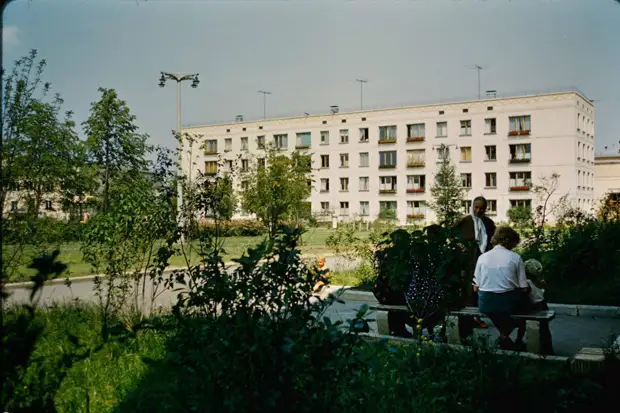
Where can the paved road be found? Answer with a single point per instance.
(570, 334)
(83, 290)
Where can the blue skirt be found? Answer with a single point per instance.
(499, 303)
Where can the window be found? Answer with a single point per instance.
(490, 180)
(416, 131)
(344, 160)
(364, 135)
(324, 161)
(260, 142)
(490, 126)
(280, 141)
(244, 144)
(245, 185)
(465, 153)
(325, 207)
(443, 154)
(387, 184)
(13, 206)
(466, 206)
(364, 208)
(344, 184)
(303, 140)
(520, 181)
(519, 125)
(364, 183)
(415, 157)
(364, 159)
(344, 136)
(344, 208)
(491, 207)
(466, 180)
(387, 134)
(324, 184)
(525, 203)
(245, 165)
(261, 163)
(227, 145)
(387, 207)
(325, 137)
(490, 152)
(387, 159)
(211, 167)
(47, 205)
(521, 153)
(416, 183)
(211, 147)
(442, 129)
(416, 209)
(466, 128)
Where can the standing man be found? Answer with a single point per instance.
(479, 228)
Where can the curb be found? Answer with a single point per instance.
(575, 310)
(88, 278)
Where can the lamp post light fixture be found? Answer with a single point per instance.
(179, 78)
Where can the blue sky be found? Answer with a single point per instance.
(309, 53)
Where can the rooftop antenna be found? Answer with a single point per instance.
(478, 68)
(334, 109)
(264, 102)
(491, 93)
(239, 118)
(361, 82)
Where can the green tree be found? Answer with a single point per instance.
(277, 190)
(447, 191)
(114, 145)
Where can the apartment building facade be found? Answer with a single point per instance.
(607, 175)
(370, 161)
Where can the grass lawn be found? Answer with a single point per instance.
(313, 243)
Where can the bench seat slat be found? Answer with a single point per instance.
(545, 315)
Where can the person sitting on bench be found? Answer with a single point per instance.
(535, 300)
(500, 280)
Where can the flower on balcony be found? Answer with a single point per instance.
(415, 216)
(210, 152)
(520, 188)
(302, 147)
(391, 140)
(415, 190)
(387, 191)
(387, 166)
(513, 133)
(415, 164)
(415, 139)
(524, 132)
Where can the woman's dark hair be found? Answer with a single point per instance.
(506, 237)
(480, 198)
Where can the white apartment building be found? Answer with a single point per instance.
(368, 161)
(607, 175)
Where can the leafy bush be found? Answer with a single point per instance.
(45, 230)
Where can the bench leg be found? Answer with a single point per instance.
(546, 343)
(452, 330)
(538, 337)
(383, 328)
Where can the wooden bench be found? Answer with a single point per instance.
(537, 333)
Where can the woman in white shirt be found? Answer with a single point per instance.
(501, 282)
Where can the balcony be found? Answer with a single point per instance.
(521, 188)
(210, 173)
(415, 216)
(416, 139)
(518, 133)
(211, 152)
(416, 190)
(520, 159)
(419, 164)
(382, 141)
(302, 147)
(387, 166)
(387, 191)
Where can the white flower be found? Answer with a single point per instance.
(533, 267)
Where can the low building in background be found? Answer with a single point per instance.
(372, 161)
(607, 175)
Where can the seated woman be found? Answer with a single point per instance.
(500, 280)
(322, 279)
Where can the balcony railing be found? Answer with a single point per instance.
(391, 140)
(387, 191)
(387, 166)
(520, 188)
(418, 164)
(415, 190)
(415, 139)
(520, 160)
(517, 132)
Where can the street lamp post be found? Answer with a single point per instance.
(179, 78)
